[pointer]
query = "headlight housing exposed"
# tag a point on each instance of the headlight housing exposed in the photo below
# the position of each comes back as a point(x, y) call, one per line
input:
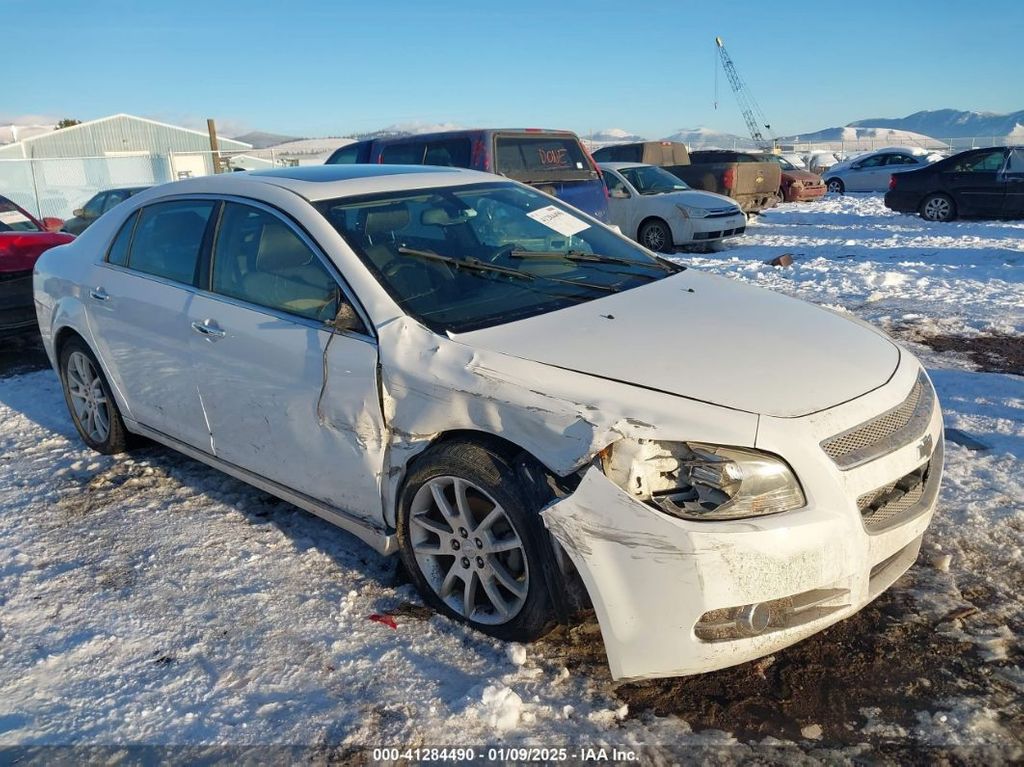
point(692, 480)
point(689, 211)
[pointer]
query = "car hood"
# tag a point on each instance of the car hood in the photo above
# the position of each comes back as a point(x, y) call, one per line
point(802, 175)
point(695, 199)
point(710, 339)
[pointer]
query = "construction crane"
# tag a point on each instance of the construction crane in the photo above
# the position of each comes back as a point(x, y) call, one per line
point(752, 113)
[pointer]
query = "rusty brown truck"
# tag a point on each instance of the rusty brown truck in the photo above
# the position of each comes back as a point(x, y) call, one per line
point(752, 184)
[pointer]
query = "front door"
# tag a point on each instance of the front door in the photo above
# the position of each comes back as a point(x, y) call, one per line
point(287, 396)
point(621, 204)
point(1013, 176)
point(137, 301)
point(976, 183)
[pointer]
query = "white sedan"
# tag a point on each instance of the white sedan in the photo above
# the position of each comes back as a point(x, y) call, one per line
point(534, 412)
point(662, 213)
point(871, 171)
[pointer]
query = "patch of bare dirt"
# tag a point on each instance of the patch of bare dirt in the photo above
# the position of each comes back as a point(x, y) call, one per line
point(991, 352)
point(885, 662)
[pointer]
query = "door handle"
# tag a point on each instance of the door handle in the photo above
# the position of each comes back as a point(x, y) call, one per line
point(209, 329)
point(99, 294)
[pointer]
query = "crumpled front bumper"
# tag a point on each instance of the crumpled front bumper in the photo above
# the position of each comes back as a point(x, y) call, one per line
point(657, 581)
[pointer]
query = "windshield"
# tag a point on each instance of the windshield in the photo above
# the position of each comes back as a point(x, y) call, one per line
point(13, 219)
point(467, 257)
point(648, 179)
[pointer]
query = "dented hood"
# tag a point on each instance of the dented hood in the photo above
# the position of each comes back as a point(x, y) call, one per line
point(707, 338)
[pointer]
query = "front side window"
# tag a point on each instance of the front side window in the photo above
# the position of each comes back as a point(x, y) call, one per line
point(168, 239)
point(94, 208)
point(989, 162)
point(614, 183)
point(13, 219)
point(649, 179)
point(495, 253)
point(872, 162)
point(259, 259)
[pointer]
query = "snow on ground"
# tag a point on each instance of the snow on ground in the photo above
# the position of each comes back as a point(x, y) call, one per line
point(148, 598)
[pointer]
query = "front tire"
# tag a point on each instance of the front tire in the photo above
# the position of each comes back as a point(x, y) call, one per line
point(938, 207)
point(836, 186)
point(655, 235)
point(474, 544)
point(89, 399)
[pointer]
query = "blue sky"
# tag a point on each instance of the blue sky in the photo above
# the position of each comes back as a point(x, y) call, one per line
point(333, 68)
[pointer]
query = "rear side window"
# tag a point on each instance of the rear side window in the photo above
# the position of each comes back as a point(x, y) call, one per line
point(347, 154)
point(452, 152)
point(118, 253)
point(541, 158)
point(982, 163)
point(259, 259)
point(407, 153)
point(168, 238)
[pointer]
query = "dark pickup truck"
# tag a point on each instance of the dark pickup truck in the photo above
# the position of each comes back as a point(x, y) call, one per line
point(752, 183)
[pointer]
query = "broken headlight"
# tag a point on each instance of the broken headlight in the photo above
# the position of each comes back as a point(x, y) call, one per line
point(692, 480)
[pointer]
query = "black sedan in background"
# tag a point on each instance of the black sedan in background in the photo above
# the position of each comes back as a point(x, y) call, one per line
point(978, 182)
point(99, 204)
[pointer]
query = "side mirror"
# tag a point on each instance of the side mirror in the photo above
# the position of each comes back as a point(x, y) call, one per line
point(52, 224)
point(346, 319)
point(78, 213)
point(618, 194)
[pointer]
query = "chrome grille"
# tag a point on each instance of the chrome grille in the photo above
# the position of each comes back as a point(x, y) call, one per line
point(884, 433)
point(901, 500)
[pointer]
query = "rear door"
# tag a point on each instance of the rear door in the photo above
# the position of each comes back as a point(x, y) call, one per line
point(1013, 176)
point(977, 184)
point(138, 303)
point(288, 398)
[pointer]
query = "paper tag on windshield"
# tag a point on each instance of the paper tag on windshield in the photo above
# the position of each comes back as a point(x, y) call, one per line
point(12, 217)
point(558, 220)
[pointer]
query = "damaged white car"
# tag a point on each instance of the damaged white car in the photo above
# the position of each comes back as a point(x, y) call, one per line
point(536, 413)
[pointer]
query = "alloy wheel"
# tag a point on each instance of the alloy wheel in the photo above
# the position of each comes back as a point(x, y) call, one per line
point(654, 238)
point(938, 209)
point(468, 550)
point(88, 399)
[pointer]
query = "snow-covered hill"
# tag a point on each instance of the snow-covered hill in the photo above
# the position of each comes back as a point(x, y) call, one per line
point(865, 138)
point(952, 123)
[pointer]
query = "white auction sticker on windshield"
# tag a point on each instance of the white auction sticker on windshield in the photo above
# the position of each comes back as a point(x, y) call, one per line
point(557, 219)
point(12, 217)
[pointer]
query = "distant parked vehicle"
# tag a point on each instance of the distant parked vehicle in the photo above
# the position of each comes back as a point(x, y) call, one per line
point(979, 182)
point(819, 162)
point(553, 161)
point(23, 238)
point(797, 185)
point(743, 176)
point(661, 212)
point(97, 205)
point(869, 172)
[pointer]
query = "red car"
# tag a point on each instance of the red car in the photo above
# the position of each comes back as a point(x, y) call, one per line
point(22, 239)
point(798, 185)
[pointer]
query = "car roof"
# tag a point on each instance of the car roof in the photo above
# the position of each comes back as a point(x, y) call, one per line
point(324, 182)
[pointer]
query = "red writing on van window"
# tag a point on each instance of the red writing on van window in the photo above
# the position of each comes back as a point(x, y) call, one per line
point(553, 157)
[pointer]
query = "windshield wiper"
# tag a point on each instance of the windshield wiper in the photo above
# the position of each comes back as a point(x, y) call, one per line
point(579, 255)
point(473, 264)
point(476, 265)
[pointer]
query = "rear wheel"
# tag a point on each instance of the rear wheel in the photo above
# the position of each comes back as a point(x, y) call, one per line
point(836, 186)
point(89, 399)
point(655, 235)
point(938, 207)
point(473, 543)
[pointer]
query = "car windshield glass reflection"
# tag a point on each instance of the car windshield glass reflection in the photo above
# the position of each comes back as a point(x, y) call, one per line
point(468, 257)
point(649, 179)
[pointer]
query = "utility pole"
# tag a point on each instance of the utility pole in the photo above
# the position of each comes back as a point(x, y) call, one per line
point(211, 128)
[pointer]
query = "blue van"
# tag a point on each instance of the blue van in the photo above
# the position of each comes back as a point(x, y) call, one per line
point(553, 161)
